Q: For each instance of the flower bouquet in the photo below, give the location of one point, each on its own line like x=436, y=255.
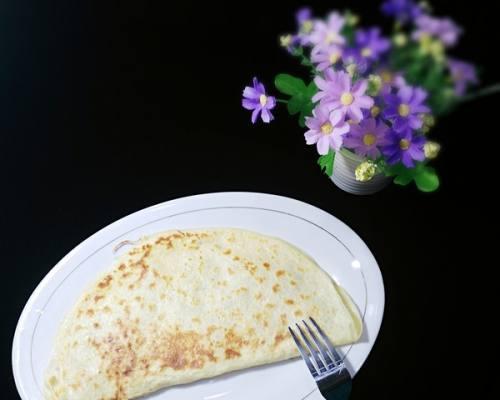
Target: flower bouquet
x=371, y=100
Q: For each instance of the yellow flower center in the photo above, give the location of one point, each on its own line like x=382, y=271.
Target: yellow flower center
x=331, y=37
x=366, y=52
x=285, y=40
x=346, y=99
x=404, y=110
x=375, y=111
x=386, y=76
x=307, y=26
x=404, y=144
x=263, y=100
x=334, y=57
x=326, y=128
x=369, y=139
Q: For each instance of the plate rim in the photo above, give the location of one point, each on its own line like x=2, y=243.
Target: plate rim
x=241, y=195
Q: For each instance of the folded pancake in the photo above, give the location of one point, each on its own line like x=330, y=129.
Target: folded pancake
x=187, y=305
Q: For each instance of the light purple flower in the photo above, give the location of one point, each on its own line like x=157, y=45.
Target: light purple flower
x=255, y=98
x=405, y=147
x=404, y=109
x=302, y=15
x=327, y=33
x=463, y=75
x=327, y=128
x=402, y=10
x=336, y=90
x=326, y=57
x=443, y=29
x=370, y=44
x=367, y=137
x=305, y=22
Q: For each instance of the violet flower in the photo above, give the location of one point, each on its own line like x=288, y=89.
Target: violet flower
x=404, y=109
x=370, y=44
x=327, y=33
x=326, y=128
x=405, y=147
x=337, y=91
x=367, y=137
x=402, y=10
x=255, y=98
x=443, y=29
x=326, y=57
x=463, y=75
x=305, y=22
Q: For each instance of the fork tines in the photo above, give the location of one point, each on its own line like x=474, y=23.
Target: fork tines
x=318, y=353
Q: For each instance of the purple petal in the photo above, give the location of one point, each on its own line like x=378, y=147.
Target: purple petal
x=359, y=88
x=335, y=117
x=266, y=115
x=415, y=122
x=271, y=102
x=416, y=153
x=364, y=102
x=405, y=94
x=249, y=104
x=400, y=124
x=342, y=129
x=355, y=112
x=406, y=159
x=344, y=81
x=312, y=136
x=321, y=83
x=255, y=115
x=251, y=93
x=323, y=145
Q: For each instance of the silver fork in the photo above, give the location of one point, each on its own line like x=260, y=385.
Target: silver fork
x=324, y=362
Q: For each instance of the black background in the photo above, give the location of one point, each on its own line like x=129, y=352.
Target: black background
x=108, y=107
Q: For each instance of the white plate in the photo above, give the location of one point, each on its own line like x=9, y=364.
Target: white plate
x=330, y=242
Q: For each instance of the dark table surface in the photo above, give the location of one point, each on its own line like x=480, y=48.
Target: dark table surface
x=109, y=107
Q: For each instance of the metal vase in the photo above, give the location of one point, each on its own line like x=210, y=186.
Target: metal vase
x=344, y=165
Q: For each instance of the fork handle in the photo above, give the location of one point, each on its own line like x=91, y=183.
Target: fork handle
x=341, y=392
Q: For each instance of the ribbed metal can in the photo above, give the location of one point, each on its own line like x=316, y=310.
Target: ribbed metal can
x=343, y=176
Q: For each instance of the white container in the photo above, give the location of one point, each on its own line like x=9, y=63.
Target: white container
x=344, y=165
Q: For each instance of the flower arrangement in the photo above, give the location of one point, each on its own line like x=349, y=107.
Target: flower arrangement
x=370, y=97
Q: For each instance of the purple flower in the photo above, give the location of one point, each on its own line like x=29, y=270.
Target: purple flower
x=405, y=147
x=443, y=29
x=255, y=98
x=366, y=137
x=326, y=128
x=370, y=44
x=402, y=10
x=326, y=34
x=326, y=57
x=404, y=109
x=305, y=22
x=304, y=14
x=463, y=75
x=337, y=91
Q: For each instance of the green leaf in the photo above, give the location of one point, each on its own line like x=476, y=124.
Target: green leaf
x=311, y=90
x=403, y=179
x=288, y=84
x=295, y=104
x=326, y=162
x=306, y=111
x=426, y=179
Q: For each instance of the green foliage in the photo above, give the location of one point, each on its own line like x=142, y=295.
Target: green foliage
x=326, y=162
x=300, y=101
x=425, y=177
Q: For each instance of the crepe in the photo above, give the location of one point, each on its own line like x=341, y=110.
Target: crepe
x=187, y=305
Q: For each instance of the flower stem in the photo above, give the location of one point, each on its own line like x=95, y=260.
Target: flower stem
x=481, y=93
x=282, y=101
